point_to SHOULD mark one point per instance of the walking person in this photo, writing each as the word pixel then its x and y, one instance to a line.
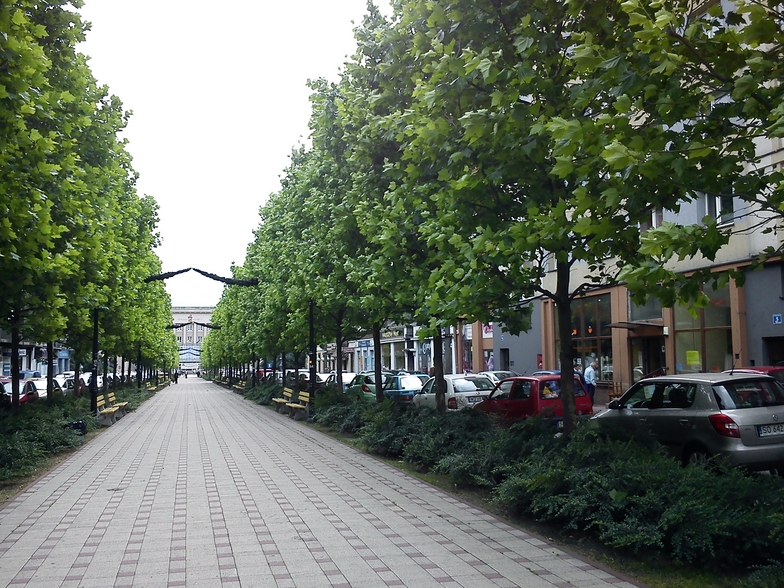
pixel 590 379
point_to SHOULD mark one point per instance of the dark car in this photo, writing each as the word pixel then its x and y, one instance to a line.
pixel 536 395
pixel 739 416
pixel 402 387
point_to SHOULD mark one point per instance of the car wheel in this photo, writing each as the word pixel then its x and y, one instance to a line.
pixel 696 455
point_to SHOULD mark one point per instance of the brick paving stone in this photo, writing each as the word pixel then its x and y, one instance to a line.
pixel 201 488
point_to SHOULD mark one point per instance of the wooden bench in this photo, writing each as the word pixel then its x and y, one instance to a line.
pixel 300 410
pixel 280 403
pixel 111 400
pixel 107 415
pixel 239 387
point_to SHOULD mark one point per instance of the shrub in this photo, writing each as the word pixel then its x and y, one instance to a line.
pixel 264 393
pixel 632 496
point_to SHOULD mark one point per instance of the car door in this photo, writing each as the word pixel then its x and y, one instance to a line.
pixel 638 404
pixel 671 420
pixel 427 395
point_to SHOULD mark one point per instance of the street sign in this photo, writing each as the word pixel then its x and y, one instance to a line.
pixel 777 319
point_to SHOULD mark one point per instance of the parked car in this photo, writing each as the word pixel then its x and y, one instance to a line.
pixel 364 384
pixel 39 387
pixel 402 387
pixel 739 416
pixel 498 375
pixel 72 389
pixel 462 391
pixel 332 380
pixel 25 394
pixel 528 396
pixel 777 371
pixel 577 373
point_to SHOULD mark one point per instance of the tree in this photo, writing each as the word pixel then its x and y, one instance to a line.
pixel 712 96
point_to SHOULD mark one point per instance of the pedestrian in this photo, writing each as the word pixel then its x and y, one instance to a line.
pixel 176 375
pixel 590 379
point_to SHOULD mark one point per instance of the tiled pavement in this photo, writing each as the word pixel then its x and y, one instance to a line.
pixel 201 488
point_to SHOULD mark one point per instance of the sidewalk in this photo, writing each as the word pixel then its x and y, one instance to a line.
pixel 201 488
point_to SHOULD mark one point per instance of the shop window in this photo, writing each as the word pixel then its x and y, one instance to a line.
pixel 703 343
pixel 651 310
pixel 591 338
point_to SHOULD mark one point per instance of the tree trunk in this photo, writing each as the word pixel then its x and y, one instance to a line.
pixel 566 352
pixel 50 371
pixel 15 365
pixel 377 362
pixel 438 365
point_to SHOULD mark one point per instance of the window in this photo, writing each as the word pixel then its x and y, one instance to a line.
pixel 199 327
pixel 190 339
pixel 190 326
pixel 657 217
pixel 651 310
pixel 703 343
pixel 721 207
pixel 591 340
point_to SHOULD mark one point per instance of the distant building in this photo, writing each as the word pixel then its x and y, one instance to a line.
pixel 191 326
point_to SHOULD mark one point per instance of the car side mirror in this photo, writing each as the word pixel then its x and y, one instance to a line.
pixel 614 405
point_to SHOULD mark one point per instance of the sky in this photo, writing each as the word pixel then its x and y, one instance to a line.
pixel 219 98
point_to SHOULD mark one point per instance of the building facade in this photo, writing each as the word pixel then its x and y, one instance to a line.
pixel 191 324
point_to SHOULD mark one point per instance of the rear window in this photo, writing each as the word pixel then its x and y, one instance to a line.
pixel 472 384
pixel 749 394
pixel 550 389
pixel 411 383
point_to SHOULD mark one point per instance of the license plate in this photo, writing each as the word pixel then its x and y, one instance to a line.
pixel 474 399
pixel 768 430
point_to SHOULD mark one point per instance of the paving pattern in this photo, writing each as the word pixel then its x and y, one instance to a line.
pixel 201 488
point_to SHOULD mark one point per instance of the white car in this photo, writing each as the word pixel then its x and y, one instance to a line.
pixel 462 391
pixel 498 375
pixel 40 385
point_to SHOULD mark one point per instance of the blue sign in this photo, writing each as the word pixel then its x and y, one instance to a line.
pixel 777 319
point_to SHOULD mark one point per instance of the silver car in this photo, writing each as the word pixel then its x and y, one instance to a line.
pixel 696 416
pixel 461 391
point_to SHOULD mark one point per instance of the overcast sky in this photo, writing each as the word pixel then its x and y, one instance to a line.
pixel 219 100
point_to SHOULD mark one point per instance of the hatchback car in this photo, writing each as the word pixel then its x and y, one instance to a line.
pixel 530 396
pixel 402 387
pixel 462 391
pixel 364 384
pixel 696 416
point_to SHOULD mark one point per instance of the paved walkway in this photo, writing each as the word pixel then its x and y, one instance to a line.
pixel 201 488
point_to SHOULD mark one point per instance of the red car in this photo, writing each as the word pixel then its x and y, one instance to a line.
pixel 777 371
pixel 527 396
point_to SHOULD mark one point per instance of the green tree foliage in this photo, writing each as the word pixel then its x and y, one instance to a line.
pixel 702 87
pixel 74 235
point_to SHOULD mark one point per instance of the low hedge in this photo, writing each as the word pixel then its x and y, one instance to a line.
pixel 622 490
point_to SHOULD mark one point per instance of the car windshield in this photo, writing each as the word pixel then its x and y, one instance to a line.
pixel 472 384
pixel 749 394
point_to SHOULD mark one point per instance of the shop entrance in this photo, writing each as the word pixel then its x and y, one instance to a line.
pixel 774 350
pixel 647 356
